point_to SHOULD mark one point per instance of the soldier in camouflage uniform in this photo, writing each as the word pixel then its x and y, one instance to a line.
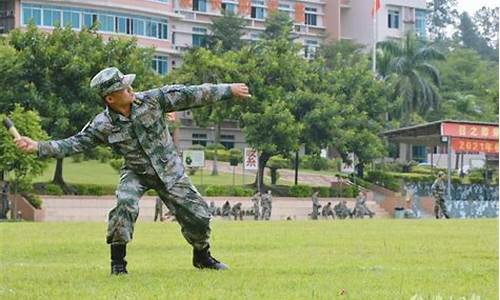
pixel 438 188
pixel 237 212
pixel 133 125
pixel 158 209
pixel 341 210
pixel 256 209
pixel 315 206
pixel 327 211
pixel 267 205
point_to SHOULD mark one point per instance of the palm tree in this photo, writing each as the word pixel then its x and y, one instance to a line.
pixel 407 65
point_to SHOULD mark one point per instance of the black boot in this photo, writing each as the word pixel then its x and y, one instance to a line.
pixel 118 262
pixel 203 260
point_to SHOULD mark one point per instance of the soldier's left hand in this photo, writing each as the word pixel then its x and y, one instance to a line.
pixel 240 90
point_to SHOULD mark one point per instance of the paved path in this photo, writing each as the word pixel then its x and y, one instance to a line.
pixel 285 174
pixel 88 208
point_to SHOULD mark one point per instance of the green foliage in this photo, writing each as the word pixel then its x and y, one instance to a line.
pixel 52 189
pixel 469 36
pixel 408 67
pixel 56 71
pixel 301 191
pixel 349 191
pixel 116 164
pixel 227 32
pixel 77 158
pixel 27 123
pixel 383 179
pixel 104 154
pixel 94 189
pixel 220 190
pixel 33 199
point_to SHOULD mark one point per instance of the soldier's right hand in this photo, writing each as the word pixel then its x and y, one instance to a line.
pixel 26 144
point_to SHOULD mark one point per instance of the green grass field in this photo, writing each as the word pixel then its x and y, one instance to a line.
pixel 85 172
pixel 352 259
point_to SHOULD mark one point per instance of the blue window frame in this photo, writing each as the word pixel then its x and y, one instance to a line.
pixel 51 17
pixel 199 37
pixel 393 18
pixel 138 26
pixel 160 64
pixel 310 17
pixel 31 13
pixel 199 5
pixel 420 29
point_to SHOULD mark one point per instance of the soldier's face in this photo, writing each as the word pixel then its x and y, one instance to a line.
pixel 121 97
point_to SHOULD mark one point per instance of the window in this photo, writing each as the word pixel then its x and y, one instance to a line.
pixel 199 139
pixel 258 10
pixel 199 5
pixel 393 18
pixel 51 17
pixel 71 18
pixel 160 64
pixel 138 27
pixel 31 13
pixel 106 23
pixel 419 153
pixel 420 16
pixel 310 48
pixel 310 16
pixel 229 7
pixel 121 25
pixel 199 37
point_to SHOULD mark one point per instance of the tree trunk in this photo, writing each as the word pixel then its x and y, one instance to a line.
pixel 59 180
pixel 296 167
pixel 263 158
pixel 215 170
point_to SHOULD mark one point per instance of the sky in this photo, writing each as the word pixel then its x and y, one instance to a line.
pixel 471 6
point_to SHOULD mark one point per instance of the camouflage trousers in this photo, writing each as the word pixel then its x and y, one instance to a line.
pixel 266 213
pixel 440 204
pixel 183 200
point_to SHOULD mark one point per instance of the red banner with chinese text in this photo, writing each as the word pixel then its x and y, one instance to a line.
pixel 472 131
pixel 186 3
pixel 216 4
pixel 244 7
pixel 300 13
pixel 473 145
pixel 272 5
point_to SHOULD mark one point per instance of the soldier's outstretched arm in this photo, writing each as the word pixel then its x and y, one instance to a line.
pixel 179 97
pixel 88 138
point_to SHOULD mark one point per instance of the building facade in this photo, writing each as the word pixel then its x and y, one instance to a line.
pixel 173 26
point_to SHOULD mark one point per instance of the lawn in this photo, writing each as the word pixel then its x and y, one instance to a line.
pixel 86 172
pixel 351 259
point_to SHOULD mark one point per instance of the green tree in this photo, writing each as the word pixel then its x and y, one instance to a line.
pixel 469 87
pixel 443 14
pixel 486 20
pixel 199 66
pixel 11 159
pixel 415 78
pixel 468 35
pixel 57 69
pixel 227 32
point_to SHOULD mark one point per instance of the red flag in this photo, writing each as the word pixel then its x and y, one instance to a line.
pixel 376 7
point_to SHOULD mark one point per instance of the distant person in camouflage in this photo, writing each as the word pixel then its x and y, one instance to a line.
pixel 315 206
pixel 212 208
pixel 134 126
pixel 5 201
pixel 438 188
pixel 327 211
pixel 237 212
pixel 256 207
pixel 341 210
pixel 226 210
pixel 361 209
pixel 267 205
pixel 158 209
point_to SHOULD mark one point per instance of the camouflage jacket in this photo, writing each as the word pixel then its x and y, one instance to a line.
pixel 438 188
pixel 142 138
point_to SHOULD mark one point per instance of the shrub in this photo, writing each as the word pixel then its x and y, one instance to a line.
pixel 94 189
pixel 300 191
pixel 33 199
pixel 116 164
pixel 240 192
pixel 77 158
pixel 104 154
pixel 384 179
pixel 53 189
pixel 324 191
pixel 215 190
pixel 213 146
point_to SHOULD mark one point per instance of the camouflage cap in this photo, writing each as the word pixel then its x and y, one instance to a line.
pixel 440 173
pixel 111 80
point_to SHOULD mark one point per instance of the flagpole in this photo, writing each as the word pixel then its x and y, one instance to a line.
pixel 374 46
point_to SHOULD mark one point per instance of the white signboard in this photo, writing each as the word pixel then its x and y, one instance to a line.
pixel 349 168
pixel 251 161
pixel 193 158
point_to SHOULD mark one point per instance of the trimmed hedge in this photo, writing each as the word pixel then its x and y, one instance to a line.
pixel 33 199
